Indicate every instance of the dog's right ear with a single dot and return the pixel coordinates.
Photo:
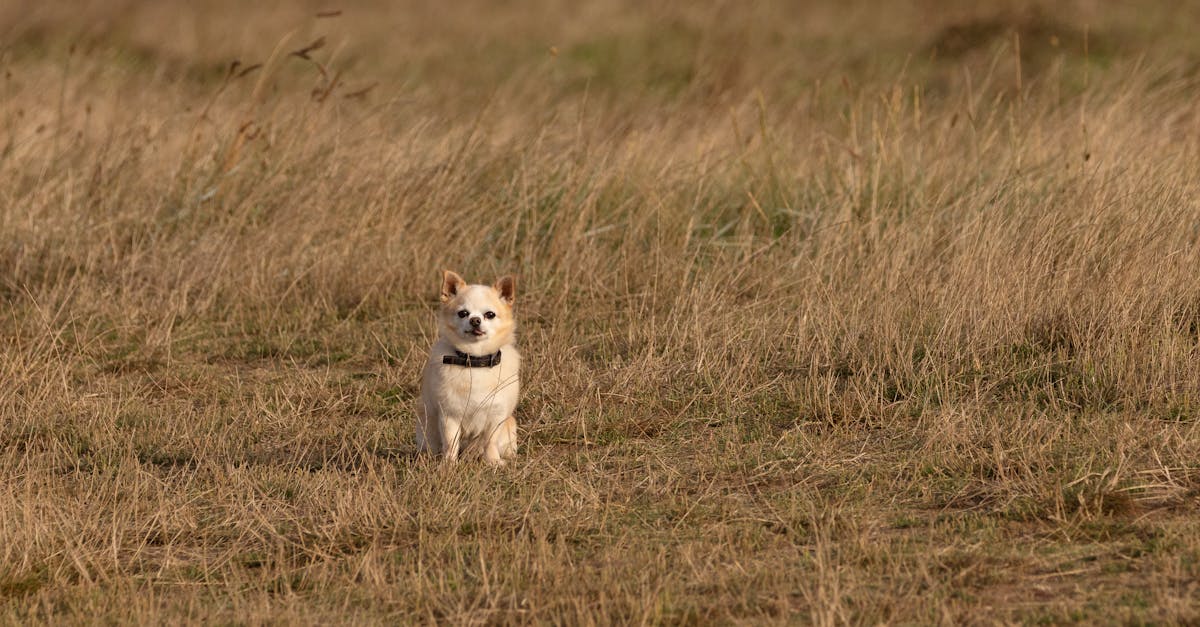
(451, 285)
(507, 287)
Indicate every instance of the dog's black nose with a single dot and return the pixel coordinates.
(476, 321)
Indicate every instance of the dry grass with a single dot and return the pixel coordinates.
(842, 314)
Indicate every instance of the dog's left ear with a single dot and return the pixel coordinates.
(507, 286)
(452, 284)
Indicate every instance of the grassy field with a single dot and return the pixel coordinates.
(836, 313)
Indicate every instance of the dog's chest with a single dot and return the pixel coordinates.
(471, 383)
(477, 393)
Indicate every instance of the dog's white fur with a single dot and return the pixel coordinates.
(471, 409)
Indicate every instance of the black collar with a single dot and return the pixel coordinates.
(460, 358)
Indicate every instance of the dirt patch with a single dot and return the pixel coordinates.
(1040, 37)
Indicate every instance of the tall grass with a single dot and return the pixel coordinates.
(842, 314)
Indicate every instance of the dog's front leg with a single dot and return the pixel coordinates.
(451, 432)
(492, 454)
(503, 442)
(510, 429)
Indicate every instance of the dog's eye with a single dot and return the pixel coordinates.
(462, 313)
(489, 315)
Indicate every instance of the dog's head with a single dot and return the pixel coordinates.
(477, 319)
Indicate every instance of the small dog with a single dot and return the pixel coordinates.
(470, 385)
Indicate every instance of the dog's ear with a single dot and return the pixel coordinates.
(507, 286)
(451, 284)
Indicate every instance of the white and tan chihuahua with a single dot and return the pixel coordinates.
(470, 385)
